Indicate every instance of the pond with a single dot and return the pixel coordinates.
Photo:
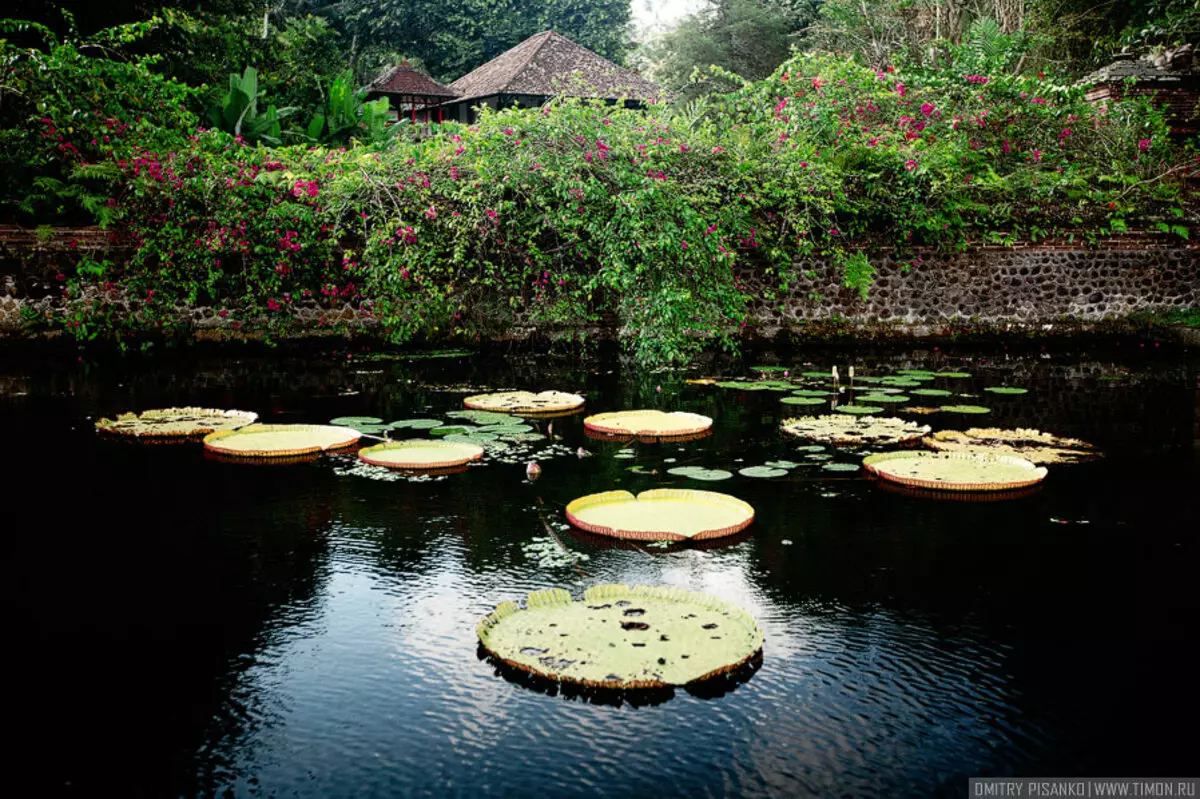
(186, 626)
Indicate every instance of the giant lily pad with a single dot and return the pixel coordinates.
(1033, 445)
(280, 440)
(954, 471)
(663, 514)
(166, 424)
(845, 430)
(648, 423)
(525, 402)
(420, 454)
(621, 637)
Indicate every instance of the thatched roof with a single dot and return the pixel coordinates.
(404, 80)
(550, 64)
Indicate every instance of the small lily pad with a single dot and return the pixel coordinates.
(1006, 390)
(811, 448)
(449, 430)
(860, 410)
(782, 464)
(841, 467)
(762, 471)
(818, 374)
(803, 400)
(354, 421)
(965, 409)
(956, 375)
(884, 398)
(506, 429)
(768, 368)
(415, 424)
(700, 473)
(811, 392)
(931, 392)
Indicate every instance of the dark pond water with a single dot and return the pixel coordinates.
(184, 626)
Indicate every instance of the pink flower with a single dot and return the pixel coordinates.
(1144, 144)
(926, 108)
(508, 131)
(1036, 155)
(833, 231)
(900, 90)
(683, 244)
(718, 150)
(910, 165)
(222, 313)
(431, 212)
(980, 79)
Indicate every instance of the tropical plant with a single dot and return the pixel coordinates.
(347, 115)
(237, 111)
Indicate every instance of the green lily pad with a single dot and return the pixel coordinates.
(415, 424)
(811, 392)
(352, 421)
(861, 410)
(619, 637)
(738, 384)
(965, 409)
(819, 456)
(483, 417)
(700, 473)
(762, 471)
(840, 467)
(369, 429)
(803, 400)
(768, 369)
(818, 374)
(1006, 390)
(449, 430)
(884, 398)
(811, 448)
(868, 380)
(506, 429)
(782, 464)
(932, 392)
(956, 375)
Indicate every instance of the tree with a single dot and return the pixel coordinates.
(747, 37)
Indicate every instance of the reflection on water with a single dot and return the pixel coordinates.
(187, 626)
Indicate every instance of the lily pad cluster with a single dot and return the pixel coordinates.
(1033, 445)
(852, 431)
(175, 423)
(622, 637)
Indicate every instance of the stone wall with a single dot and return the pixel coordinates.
(1029, 285)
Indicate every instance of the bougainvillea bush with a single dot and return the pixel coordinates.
(579, 209)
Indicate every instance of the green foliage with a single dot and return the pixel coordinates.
(237, 111)
(347, 115)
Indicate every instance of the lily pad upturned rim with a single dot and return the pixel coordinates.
(526, 402)
(648, 422)
(692, 496)
(219, 441)
(449, 453)
(140, 426)
(1032, 445)
(617, 595)
(878, 465)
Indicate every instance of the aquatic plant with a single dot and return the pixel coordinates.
(1006, 390)
(845, 430)
(965, 409)
(700, 473)
(673, 514)
(419, 454)
(954, 471)
(415, 424)
(1033, 445)
(280, 440)
(622, 637)
(803, 400)
(525, 402)
(166, 424)
(650, 424)
(859, 410)
(765, 472)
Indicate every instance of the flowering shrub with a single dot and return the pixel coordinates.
(579, 209)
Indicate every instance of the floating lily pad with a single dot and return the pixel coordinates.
(280, 440)
(762, 471)
(965, 409)
(884, 398)
(819, 375)
(782, 464)
(525, 402)
(506, 429)
(452, 429)
(700, 473)
(1006, 390)
(803, 400)
(868, 380)
(372, 429)
(859, 410)
(355, 421)
(811, 448)
(931, 392)
(846, 430)
(672, 514)
(420, 454)
(765, 369)
(954, 471)
(415, 424)
(165, 424)
(811, 392)
(841, 467)
(648, 423)
(955, 375)
(622, 638)
(472, 438)
(921, 410)
(818, 456)
(1032, 445)
(483, 417)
